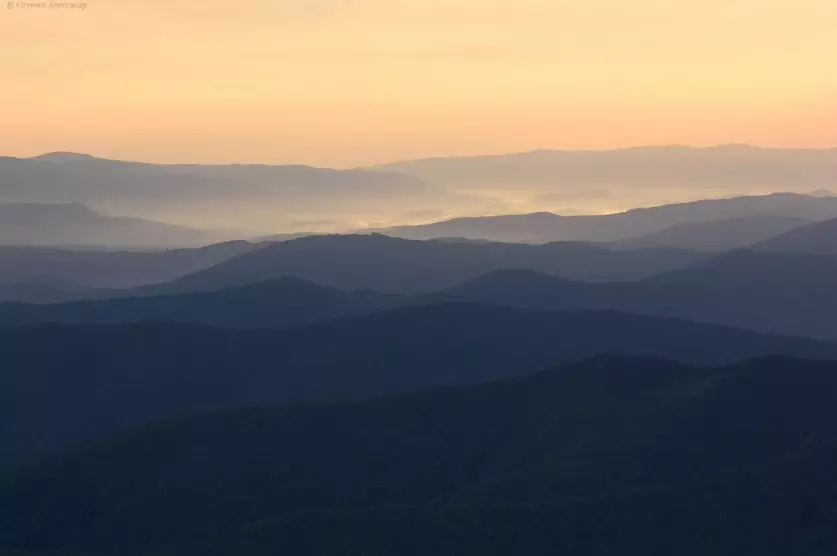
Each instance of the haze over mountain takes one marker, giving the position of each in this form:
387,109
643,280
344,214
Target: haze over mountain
252,198
123,376
545,227
612,455
73,224
625,178
729,166
263,199
395,265
57,272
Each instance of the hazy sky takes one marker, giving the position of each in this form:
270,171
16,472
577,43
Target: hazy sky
352,82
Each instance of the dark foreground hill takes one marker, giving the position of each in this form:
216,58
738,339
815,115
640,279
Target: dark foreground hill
64,384
617,455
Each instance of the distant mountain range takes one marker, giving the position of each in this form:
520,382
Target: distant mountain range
783,293
398,266
73,224
727,167
395,265
611,456
776,286
253,198
707,225
753,217
257,200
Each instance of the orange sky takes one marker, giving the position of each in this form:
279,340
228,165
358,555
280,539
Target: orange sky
353,82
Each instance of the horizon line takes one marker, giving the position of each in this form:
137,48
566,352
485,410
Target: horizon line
81,157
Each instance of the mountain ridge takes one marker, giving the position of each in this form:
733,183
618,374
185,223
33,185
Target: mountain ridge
395,265
633,223
817,238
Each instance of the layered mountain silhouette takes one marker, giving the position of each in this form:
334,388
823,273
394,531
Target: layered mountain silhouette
403,266
658,381
65,384
288,198
819,238
278,302
255,197
544,227
717,235
610,456
32,224
77,269
769,292
783,293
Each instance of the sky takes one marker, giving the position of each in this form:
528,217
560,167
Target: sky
346,83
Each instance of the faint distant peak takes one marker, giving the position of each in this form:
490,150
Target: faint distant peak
822,193
736,147
60,157
529,216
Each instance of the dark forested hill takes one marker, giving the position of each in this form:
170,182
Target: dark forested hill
716,235
61,384
38,292
277,302
610,456
783,293
819,238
